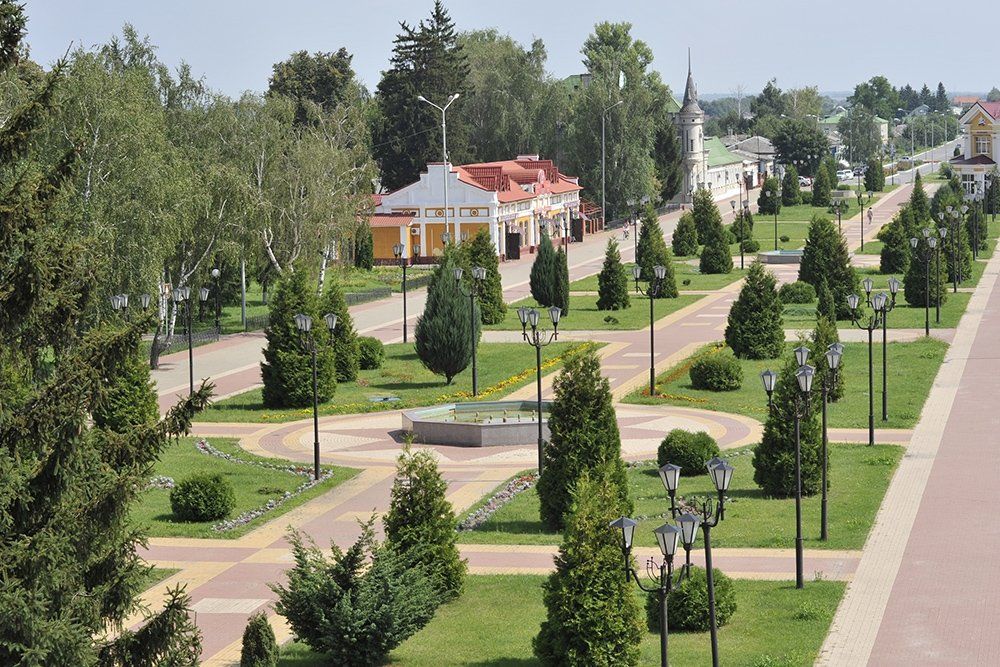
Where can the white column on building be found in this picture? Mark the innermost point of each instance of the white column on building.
(532, 230)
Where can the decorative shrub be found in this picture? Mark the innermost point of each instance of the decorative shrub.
(783, 238)
(687, 604)
(717, 372)
(754, 329)
(797, 292)
(685, 237)
(203, 497)
(612, 281)
(652, 251)
(751, 245)
(688, 450)
(260, 648)
(371, 353)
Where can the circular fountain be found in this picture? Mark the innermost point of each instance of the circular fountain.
(478, 424)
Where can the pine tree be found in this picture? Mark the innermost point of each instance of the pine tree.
(583, 436)
(652, 251)
(684, 241)
(715, 256)
(345, 338)
(260, 648)
(790, 194)
(754, 329)
(826, 256)
(916, 279)
(544, 274)
(706, 215)
(821, 187)
(593, 617)
(420, 524)
(287, 367)
(562, 281)
(444, 331)
(895, 254)
(774, 457)
(824, 335)
(919, 205)
(766, 204)
(612, 283)
(364, 248)
(874, 176)
(481, 252)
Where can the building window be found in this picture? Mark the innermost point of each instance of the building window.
(692, 146)
(969, 183)
(982, 145)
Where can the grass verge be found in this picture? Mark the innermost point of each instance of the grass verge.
(682, 272)
(584, 316)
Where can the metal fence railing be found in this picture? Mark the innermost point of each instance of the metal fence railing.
(354, 298)
(660, 210)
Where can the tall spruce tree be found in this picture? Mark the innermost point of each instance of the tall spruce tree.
(715, 256)
(754, 329)
(544, 276)
(593, 616)
(920, 274)
(481, 252)
(790, 189)
(920, 207)
(612, 283)
(706, 214)
(684, 240)
(825, 304)
(345, 338)
(562, 281)
(826, 256)
(822, 184)
(652, 251)
(583, 436)
(824, 335)
(444, 331)
(874, 176)
(364, 248)
(426, 60)
(894, 257)
(766, 203)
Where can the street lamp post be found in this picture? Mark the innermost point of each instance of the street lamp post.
(887, 306)
(838, 207)
(925, 252)
(444, 149)
(739, 219)
(478, 275)
(538, 338)
(869, 324)
(306, 338)
(397, 252)
(722, 474)
(651, 292)
(604, 201)
(775, 193)
(218, 306)
(947, 218)
(943, 233)
(182, 295)
(834, 352)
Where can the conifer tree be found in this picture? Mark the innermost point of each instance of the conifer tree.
(919, 205)
(957, 253)
(287, 367)
(481, 252)
(562, 281)
(874, 176)
(345, 338)
(364, 248)
(444, 331)
(420, 524)
(544, 274)
(684, 241)
(706, 214)
(715, 256)
(583, 436)
(592, 617)
(766, 204)
(754, 329)
(821, 187)
(916, 279)
(612, 283)
(790, 194)
(652, 251)
(826, 256)
(260, 648)
(895, 254)
(129, 400)
(824, 335)
(826, 306)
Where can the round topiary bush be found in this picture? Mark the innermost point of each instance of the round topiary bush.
(203, 498)
(751, 245)
(797, 292)
(687, 604)
(688, 450)
(783, 238)
(717, 372)
(371, 353)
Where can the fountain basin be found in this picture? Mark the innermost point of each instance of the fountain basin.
(780, 256)
(478, 424)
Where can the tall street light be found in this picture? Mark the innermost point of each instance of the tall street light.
(943, 233)
(834, 352)
(651, 292)
(218, 305)
(926, 250)
(307, 339)
(868, 323)
(444, 149)
(949, 218)
(775, 192)
(538, 338)
(182, 295)
(478, 275)
(711, 513)
(397, 251)
(887, 306)
(838, 207)
(604, 201)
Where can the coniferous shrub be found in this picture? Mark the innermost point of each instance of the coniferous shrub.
(444, 331)
(797, 292)
(129, 399)
(345, 338)
(774, 457)
(919, 205)
(825, 256)
(959, 263)
(790, 187)
(652, 251)
(751, 245)
(706, 214)
(766, 204)
(371, 353)
(287, 367)
(920, 274)
(822, 184)
(742, 228)
(716, 372)
(684, 240)
(689, 450)
(874, 176)
(895, 254)
(754, 329)
(203, 497)
(592, 614)
(364, 247)
(583, 436)
(544, 274)
(824, 335)
(825, 305)
(358, 605)
(715, 256)
(612, 282)
(562, 282)
(687, 604)
(481, 252)
(260, 648)
(420, 524)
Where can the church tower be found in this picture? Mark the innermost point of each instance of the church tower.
(691, 134)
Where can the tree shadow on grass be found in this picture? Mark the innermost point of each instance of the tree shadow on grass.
(518, 527)
(506, 662)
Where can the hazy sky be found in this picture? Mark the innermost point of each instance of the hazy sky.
(831, 44)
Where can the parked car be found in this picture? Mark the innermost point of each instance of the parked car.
(860, 171)
(805, 181)
(845, 175)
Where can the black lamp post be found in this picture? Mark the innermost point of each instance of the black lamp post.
(538, 338)
(182, 295)
(652, 291)
(768, 378)
(869, 324)
(218, 305)
(304, 324)
(943, 233)
(834, 352)
(478, 274)
(926, 250)
(397, 252)
(838, 207)
(775, 193)
(947, 218)
(887, 306)
(740, 219)
(711, 514)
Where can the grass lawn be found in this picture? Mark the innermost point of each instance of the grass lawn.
(763, 231)
(805, 212)
(404, 376)
(253, 485)
(584, 316)
(859, 476)
(156, 575)
(871, 248)
(912, 368)
(903, 316)
(493, 622)
(682, 271)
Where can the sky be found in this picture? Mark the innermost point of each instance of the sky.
(234, 43)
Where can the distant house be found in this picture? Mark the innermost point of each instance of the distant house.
(921, 110)
(758, 158)
(830, 126)
(980, 146)
(964, 102)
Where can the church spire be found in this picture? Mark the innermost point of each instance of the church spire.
(690, 92)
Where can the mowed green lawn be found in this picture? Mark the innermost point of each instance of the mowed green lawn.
(253, 486)
(688, 277)
(584, 316)
(805, 212)
(912, 368)
(404, 376)
(859, 476)
(763, 231)
(903, 316)
(493, 622)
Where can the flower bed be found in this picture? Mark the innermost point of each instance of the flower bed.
(498, 500)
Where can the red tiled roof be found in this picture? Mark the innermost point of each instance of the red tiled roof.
(992, 108)
(965, 99)
(972, 162)
(390, 220)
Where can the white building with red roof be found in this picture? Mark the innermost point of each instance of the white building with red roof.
(981, 146)
(514, 200)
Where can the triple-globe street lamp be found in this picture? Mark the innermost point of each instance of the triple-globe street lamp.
(308, 341)
(652, 292)
(925, 250)
(538, 338)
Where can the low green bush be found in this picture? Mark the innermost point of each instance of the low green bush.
(797, 292)
(203, 497)
(783, 238)
(371, 353)
(751, 245)
(844, 187)
(688, 450)
(717, 372)
(687, 604)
